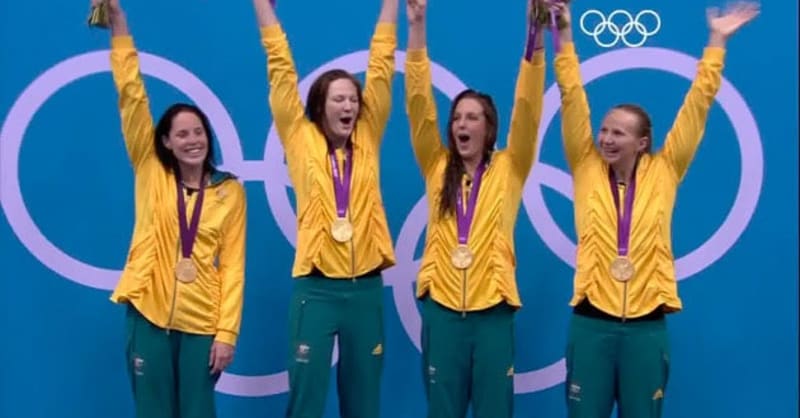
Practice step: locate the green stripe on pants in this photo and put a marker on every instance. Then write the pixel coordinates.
(351, 310)
(608, 361)
(169, 372)
(468, 358)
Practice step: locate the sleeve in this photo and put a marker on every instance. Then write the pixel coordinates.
(526, 115)
(231, 268)
(284, 97)
(687, 131)
(134, 106)
(378, 85)
(576, 125)
(421, 110)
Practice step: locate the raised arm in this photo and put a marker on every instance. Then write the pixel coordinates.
(687, 131)
(576, 125)
(284, 97)
(380, 71)
(134, 106)
(420, 104)
(528, 101)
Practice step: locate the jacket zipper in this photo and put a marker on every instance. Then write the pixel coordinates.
(175, 282)
(625, 284)
(352, 250)
(624, 301)
(174, 290)
(463, 293)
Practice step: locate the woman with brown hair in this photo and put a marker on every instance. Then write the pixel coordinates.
(343, 243)
(183, 280)
(467, 274)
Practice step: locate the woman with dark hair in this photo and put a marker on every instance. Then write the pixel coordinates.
(343, 243)
(624, 285)
(467, 274)
(183, 280)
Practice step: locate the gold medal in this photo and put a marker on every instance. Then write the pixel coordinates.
(461, 257)
(185, 271)
(622, 269)
(342, 230)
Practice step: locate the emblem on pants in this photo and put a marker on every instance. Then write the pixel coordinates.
(301, 355)
(574, 392)
(138, 366)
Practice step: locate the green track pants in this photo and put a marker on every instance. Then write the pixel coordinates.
(169, 372)
(468, 359)
(351, 310)
(610, 361)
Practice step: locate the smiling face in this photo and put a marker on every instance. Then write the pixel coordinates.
(623, 136)
(187, 140)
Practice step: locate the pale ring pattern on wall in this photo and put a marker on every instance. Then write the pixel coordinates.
(401, 277)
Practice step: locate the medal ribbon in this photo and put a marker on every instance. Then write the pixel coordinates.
(188, 233)
(530, 47)
(464, 220)
(341, 187)
(623, 219)
(554, 31)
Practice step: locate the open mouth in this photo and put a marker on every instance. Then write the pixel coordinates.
(462, 138)
(346, 120)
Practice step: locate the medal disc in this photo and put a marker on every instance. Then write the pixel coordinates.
(342, 230)
(185, 270)
(622, 269)
(461, 257)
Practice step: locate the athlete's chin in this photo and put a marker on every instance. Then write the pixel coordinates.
(467, 153)
(610, 159)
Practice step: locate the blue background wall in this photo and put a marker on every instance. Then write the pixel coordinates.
(68, 217)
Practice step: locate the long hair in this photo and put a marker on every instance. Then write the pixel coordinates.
(455, 165)
(645, 124)
(318, 94)
(163, 128)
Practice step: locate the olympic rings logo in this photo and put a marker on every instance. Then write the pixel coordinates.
(401, 277)
(619, 31)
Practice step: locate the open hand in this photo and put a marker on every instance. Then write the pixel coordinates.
(727, 22)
